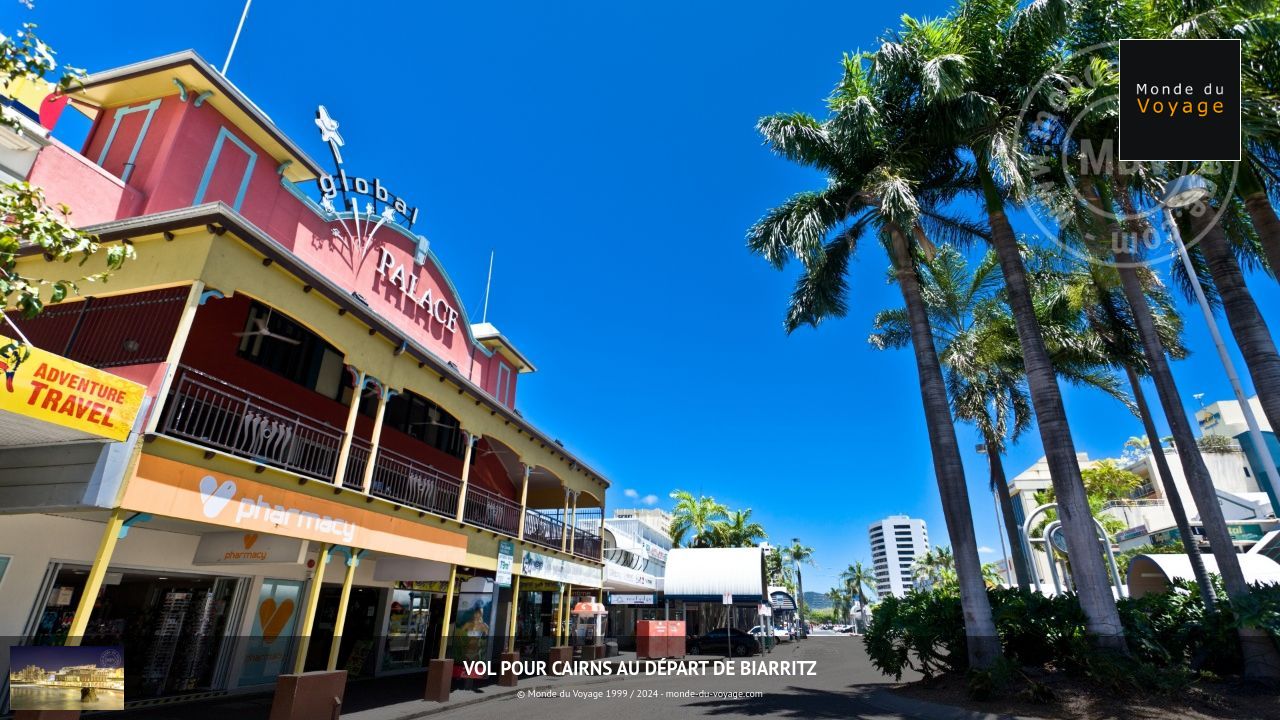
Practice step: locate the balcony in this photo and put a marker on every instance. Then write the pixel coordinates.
(216, 414)
(491, 511)
(543, 529)
(220, 415)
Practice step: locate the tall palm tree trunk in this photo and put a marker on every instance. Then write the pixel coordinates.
(1171, 494)
(980, 629)
(1247, 324)
(1261, 659)
(1090, 575)
(1000, 486)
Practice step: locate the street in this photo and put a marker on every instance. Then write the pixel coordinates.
(843, 678)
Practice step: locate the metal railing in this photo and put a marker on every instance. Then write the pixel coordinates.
(211, 412)
(543, 529)
(403, 480)
(491, 511)
(1133, 503)
(585, 543)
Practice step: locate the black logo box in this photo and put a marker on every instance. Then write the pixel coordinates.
(1194, 65)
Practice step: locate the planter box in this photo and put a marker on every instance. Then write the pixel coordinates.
(309, 696)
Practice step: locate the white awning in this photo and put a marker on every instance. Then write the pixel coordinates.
(1154, 573)
(707, 574)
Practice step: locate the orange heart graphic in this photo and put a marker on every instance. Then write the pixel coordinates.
(273, 618)
(250, 539)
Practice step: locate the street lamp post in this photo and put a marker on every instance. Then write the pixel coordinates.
(1184, 192)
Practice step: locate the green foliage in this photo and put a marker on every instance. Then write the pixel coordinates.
(1220, 444)
(923, 631)
(26, 221)
(30, 223)
(1170, 636)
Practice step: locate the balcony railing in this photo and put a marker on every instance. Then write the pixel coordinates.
(403, 480)
(211, 412)
(543, 529)
(586, 544)
(491, 511)
(217, 414)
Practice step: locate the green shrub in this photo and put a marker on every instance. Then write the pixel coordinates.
(923, 631)
(1169, 635)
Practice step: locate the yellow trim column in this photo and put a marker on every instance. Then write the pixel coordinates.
(383, 397)
(560, 617)
(348, 434)
(93, 583)
(466, 473)
(174, 356)
(448, 608)
(340, 623)
(564, 522)
(309, 613)
(573, 522)
(524, 501)
(511, 614)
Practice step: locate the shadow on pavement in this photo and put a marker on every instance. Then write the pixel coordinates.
(796, 702)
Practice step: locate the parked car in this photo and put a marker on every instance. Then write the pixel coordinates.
(779, 634)
(739, 642)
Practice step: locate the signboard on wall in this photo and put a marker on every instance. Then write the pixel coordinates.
(173, 489)
(556, 569)
(246, 548)
(41, 385)
(506, 559)
(617, 599)
(625, 575)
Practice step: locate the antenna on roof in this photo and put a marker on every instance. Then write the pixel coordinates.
(236, 38)
(484, 316)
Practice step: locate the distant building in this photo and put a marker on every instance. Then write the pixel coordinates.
(656, 518)
(896, 542)
(1226, 418)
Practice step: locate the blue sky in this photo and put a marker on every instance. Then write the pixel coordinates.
(608, 155)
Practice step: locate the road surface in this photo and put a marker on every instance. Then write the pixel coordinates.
(842, 679)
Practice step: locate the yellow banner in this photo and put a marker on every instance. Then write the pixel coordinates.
(40, 385)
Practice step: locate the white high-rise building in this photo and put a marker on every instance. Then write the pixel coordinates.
(896, 542)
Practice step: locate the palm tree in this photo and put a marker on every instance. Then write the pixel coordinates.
(980, 351)
(858, 581)
(839, 603)
(973, 71)
(878, 178)
(1103, 191)
(695, 518)
(798, 554)
(737, 531)
(936, 569)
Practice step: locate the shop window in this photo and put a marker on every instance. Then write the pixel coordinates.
(279, 344)
(504, 384)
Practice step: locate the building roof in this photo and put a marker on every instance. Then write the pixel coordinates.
(486, 334)
(1155, 573)
(706, 574)
(780, 599)
(217, 217)
(187, 72)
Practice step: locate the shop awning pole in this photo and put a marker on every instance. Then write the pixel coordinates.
(448, 608)
(511, 614)
(309, 614)
(93, 583)
(340, 623)
(524, 501)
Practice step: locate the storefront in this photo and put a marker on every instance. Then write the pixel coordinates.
(549, 588)
(717, 587)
